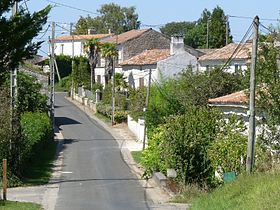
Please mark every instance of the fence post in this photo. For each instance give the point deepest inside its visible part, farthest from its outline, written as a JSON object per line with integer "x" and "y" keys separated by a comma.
{"x": 4, "y": 179}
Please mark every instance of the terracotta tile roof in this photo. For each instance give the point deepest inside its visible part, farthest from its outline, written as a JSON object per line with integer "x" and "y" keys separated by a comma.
{"x": 225, "y": 52}
{"x": 82, "y": 37}
{"x": 147, "y": 57}
{"x": 233, "y": 98}
{"x": 121, "y": 38}
{"x": 206, "y": 51}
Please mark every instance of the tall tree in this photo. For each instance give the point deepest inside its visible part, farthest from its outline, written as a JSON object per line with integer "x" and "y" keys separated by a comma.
{"x": 112, "y": 18}
{"x": 16, "y": 34}
{"x": 109, "y": 52}
{"x": 215, "y": 23}
{"x": 92, "y": 48}
{"x": 177, "y": 28}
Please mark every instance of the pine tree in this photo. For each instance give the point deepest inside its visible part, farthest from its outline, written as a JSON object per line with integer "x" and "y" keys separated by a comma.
{"x": 16, "y": 34}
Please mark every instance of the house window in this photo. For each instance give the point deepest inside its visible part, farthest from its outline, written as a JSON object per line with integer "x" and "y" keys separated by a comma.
{"x": 61, "y": 49}
{"x": 141, "y": 82}
{"x": 99, "y": 79}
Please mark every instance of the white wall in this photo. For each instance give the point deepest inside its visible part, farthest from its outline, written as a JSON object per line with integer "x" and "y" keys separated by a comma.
{"x": 137, "y": 128}
{"x": 242, "y": 64}
{"x": 67, "y": 48}
{"x": 134, "y": 73}
{"x": 173, "y": 65}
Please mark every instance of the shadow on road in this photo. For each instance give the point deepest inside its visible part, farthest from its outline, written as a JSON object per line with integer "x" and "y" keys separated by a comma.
{"x": 93, "y": 179}
{"x": 65, "y": 121}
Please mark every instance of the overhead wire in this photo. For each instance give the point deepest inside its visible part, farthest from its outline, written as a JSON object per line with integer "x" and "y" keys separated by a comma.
{"x": 72, "y": 7}
{"x": 238, "y": 48}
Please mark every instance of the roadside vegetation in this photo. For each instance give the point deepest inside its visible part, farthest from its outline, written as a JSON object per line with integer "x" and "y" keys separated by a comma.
{"x": 258, "y": 191}
{"x": 12, "y": 205}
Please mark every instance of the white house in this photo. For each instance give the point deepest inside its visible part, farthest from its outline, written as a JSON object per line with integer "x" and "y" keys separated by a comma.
{"x": 164, "y": 63}
{"x": 239, "y": 56}
{"x": 129, "y": 44}
{"x": 63, "y": 44}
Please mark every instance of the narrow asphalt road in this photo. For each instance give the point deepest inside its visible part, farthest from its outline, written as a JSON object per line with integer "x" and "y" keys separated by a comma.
{"x": 94, "y": 175}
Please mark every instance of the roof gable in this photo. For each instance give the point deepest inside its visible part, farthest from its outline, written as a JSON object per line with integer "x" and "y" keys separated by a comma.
{"x": 227, "y": 51}
{"x": 239, "y": 97}
{"x": 126, "y": 36}
{"x": 82, "y": 37}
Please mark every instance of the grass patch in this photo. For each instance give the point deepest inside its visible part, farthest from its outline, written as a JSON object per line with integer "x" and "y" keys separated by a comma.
{"x": 188, "y": 194}
{"x": 137, "y": 155}
{"x": 102, "y": 117}
{"x": 39, "y": 170}
{"x": 256, "y": 192}
{"x": 12, "y": 205}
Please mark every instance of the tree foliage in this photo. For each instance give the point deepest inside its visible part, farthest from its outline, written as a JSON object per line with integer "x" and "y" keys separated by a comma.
{"x": 112, "y": 17}
{"x": 197, "y": 37}
{"x": 177, "y": 28}
{"x": 16, "y": 34}
{"x": 92, "y": 48}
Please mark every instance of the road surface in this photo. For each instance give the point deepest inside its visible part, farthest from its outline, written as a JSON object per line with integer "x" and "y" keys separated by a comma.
{"x": 94, "y": 175}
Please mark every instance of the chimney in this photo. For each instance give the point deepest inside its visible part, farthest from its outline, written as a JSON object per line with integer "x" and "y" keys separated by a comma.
{"x": 177, "y": 45}
{"x": 91, "y": 31}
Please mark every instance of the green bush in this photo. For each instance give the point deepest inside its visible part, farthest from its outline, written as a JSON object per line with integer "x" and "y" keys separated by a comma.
{"x": 228, "y": 151}
{"x": 120, "y": 116}
{"x": 106, "y": 110}
{"x": 36, "y": 132}
{"x": 182, "y": 144}
{"x": 152, "y": 159}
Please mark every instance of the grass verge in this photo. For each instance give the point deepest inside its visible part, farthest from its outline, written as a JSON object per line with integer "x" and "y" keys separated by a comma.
{"x": 188, "y": 194}
{"x": 12, "y": 205}
{"x": 102, "y": 117}
{"x": 39, "y": 170}
{"x": 137, "y": 155}
{"x": 256, "y": 192}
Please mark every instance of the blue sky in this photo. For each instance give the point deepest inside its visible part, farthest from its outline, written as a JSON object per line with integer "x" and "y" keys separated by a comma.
{"x": 156, "y": 12}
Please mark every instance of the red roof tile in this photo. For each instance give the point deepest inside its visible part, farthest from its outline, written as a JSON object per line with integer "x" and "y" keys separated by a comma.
{"x": 82, "y": 37}
{"x": 226, "y": 52}
{"x": 121, "y": 38}
{"x": 148, "y": 57}
{"x": 233, "y": 98}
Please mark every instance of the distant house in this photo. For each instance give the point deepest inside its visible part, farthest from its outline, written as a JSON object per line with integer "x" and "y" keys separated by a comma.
{"x": 234, "y": 103}
{"x": 239, "y": 56}
{"x": 132, "y": 43}
{"x": 63, "y": 44}
{"x": 164, "y": 63}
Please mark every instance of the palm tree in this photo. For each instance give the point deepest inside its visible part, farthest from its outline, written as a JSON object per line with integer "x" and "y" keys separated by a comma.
{"x": 109, "y": 52}
{"x": 92, "y": 48}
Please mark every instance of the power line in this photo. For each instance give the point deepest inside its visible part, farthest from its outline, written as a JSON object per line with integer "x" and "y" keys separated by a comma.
{"x": 251, "y": 18}
{"x": 238, "y": 48}
{"x": 72, "y": 7}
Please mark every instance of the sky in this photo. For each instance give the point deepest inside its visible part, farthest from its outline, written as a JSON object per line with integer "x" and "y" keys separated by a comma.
{"x": 158, "y": 13}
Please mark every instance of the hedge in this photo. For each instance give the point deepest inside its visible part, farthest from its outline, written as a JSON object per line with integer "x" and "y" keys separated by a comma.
{"x": 37, "y": 131}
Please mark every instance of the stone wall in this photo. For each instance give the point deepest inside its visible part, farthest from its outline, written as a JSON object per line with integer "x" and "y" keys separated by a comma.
{"x": 149, "y": 40}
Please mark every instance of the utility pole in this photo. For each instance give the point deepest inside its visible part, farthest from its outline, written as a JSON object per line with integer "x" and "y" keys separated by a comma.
{"x": 252, "y": 119}
{"x": 13, "y": 74}
{"x": 72, "y": 64}
{"x": 113, "y": 91}
{"x": 227, "y": 27}
{"x": 147, "y": 105}
{"x": 52, "y": 73}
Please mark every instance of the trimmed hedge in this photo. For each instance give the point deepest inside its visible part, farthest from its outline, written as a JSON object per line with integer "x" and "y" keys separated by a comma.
{"x": 37, "y": 131}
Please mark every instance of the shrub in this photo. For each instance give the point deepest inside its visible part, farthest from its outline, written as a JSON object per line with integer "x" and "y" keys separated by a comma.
{"x": 120, "y": 116}
{"x": 228, "y": 151}
{"x": 106, "y": 110}
{"x": 152, "y": 158}
{"x": 182, "y": 144}
{"x": 36, "y": 132}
